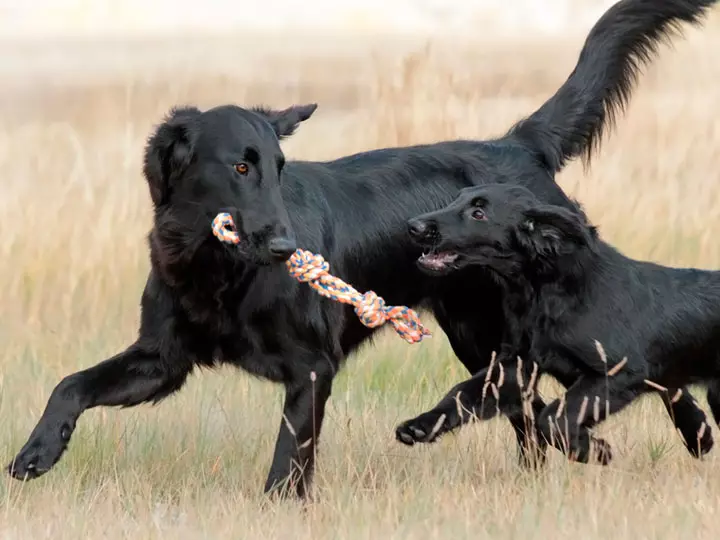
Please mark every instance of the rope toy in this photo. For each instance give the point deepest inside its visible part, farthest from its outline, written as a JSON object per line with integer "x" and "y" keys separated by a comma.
{"x": 312, "y": 269}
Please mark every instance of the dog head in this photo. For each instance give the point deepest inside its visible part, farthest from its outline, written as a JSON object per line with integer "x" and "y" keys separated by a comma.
{"x": 501, "y": 227}
{"x": 226, "y": 159}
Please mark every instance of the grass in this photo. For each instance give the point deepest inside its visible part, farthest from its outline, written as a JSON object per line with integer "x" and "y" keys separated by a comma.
{"x": 74, "y": 212}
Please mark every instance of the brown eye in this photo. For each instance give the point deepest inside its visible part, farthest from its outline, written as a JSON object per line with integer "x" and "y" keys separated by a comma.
{"x": 478, "y": 215}
{"x": 242, "y": 168}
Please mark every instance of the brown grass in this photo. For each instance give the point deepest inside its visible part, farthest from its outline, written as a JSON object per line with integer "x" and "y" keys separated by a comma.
{"x": 73, "y": 217}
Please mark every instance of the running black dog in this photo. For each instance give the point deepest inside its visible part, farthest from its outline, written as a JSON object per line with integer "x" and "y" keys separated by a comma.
{"x": 566, "y": 291}
{"x": 206, "y": 303}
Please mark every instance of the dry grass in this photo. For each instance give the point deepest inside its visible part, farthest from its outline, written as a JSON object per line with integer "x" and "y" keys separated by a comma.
{"x": 73, "y": 215}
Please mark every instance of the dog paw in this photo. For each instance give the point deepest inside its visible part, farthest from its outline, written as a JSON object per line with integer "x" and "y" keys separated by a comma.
{"x": 425, "y": 428}
{"x": 588, "y": 449}
{"x": 602, "y": 451}
{"x": 40, "y": 453}
{"x": 699, "y": 443}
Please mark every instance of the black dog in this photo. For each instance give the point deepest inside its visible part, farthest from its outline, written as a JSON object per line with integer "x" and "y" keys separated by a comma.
{"x": 206, "y": 303}
{"x": 566, "y": 291}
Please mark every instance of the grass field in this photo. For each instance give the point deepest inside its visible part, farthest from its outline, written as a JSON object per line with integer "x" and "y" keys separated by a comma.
{"x": 74, "y": 212}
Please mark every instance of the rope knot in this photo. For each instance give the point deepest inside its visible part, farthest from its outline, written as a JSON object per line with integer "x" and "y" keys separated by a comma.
{"x": 371, "y": 310}
{"x": 306, "y": 267}
{"x": 407, "y": 324}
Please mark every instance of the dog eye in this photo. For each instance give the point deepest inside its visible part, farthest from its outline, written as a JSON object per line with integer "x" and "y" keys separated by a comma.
{"x": 478, "y": 215}
{"x": 242, "y": 168}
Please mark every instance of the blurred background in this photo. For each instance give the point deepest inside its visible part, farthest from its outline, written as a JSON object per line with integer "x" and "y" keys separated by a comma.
{"x": 82, "y": 83}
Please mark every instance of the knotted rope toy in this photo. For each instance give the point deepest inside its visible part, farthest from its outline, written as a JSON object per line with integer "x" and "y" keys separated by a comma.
{"x": 312, "y": 269}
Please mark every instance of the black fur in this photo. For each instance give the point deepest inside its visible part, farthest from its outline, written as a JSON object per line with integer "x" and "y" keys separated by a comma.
{"x": 566, "y": 291}
{"x": 206, "y": 303}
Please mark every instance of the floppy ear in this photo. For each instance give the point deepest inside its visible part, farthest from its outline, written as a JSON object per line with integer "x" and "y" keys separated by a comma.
{"x": 169, "y": 151}
{"x": 553, "y": 230}
{"x": 285, "y": 122}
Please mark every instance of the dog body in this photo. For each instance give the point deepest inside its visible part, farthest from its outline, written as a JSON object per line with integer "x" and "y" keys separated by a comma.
{"x": 207, "y": 303}
{"x": 577, "y": 308}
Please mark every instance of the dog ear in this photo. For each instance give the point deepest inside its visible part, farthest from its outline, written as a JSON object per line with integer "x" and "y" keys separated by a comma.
{"x": 553, "y": 230}
{"x": 169, "y": 151}
{"x": 285, "y": 122}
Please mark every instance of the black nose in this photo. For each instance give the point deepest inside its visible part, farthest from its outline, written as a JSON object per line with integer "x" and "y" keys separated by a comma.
{"x": 420, "y": 229}
{"x": 282, "y": 248}
{"x": 416, "y": 227}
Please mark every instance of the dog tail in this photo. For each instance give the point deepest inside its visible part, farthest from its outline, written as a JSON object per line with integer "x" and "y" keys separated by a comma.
{"x": 571, "y": 123}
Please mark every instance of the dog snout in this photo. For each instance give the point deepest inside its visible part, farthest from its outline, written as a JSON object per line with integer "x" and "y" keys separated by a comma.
{"x": 421, "y": 229}
{"x": 282, "y": 247}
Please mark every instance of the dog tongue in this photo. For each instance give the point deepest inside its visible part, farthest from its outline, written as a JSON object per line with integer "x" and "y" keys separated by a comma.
{"x": 438, "y": 260}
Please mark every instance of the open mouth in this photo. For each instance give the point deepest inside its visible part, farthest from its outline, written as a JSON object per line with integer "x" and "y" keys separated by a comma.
{"x": 438, "y": 261}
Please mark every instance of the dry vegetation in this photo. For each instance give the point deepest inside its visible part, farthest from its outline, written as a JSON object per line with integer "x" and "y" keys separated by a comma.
{"x": 73, "y": 217}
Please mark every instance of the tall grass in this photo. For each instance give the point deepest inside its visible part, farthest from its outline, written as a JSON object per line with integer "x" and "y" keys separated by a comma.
{"x": 74, "y": 212}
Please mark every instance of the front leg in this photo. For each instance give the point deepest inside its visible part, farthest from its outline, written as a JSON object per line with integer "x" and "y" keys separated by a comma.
{"x": 566, "y": 423}
{"x": 132, "y": 377}
{"x": 501, "y": 388}
{"x": 689, "y": 419}
{"x": 294, "y": 459}
{"x": 473, "y": 337}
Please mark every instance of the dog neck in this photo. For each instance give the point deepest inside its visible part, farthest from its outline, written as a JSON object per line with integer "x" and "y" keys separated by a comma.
{"x": 565, "y": 275}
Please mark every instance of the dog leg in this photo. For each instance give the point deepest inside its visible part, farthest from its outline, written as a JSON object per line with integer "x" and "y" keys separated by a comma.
{"x": 473, "y": 337}
{"x": 689, "y": 419}
{"x": 566, "y": 422}
{"x": 533, "y": 449}
{"x": 129, "y": 378}
{"x": 294, "y": 459}
{"x": 489, "y": 392}
{"x": 713, "y": 399}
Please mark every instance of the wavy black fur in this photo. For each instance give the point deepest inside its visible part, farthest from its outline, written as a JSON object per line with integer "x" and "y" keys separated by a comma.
{"x": 578, "y": 309}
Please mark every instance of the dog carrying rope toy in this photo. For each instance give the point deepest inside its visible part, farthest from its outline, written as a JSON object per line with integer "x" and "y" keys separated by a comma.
{"x": 314, "y": 270}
